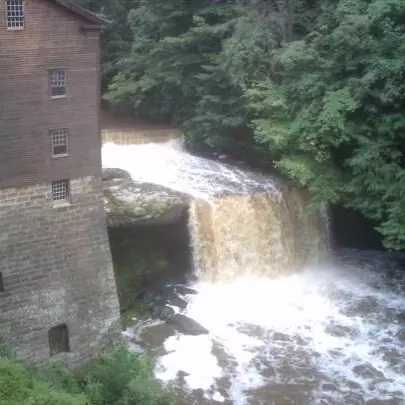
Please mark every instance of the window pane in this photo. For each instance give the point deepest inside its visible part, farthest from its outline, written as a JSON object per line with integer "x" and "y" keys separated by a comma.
{"x": 58, "y": 82}
{"x": 60, "y": 190}
{"x": 15, "y": 14}
{"x": 60, "y": 150}
{"x": 59, "y": 139}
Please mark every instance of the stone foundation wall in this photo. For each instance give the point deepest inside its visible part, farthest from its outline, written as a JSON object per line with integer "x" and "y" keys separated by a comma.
{"x": 56, "y": 269}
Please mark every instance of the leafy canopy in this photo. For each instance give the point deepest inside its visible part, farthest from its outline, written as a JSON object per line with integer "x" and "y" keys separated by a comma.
{"x": 317, "y": 87}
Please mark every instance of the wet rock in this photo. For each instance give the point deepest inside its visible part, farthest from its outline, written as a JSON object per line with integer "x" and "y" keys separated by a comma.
{"x": 281, "y": 394}
{"x": 155, "y": 335}
{"x": 401, "y": 335}
{"x": 391, "y": 401}
{"x": 367, "y": 371}
{"x": 329, "y": 387}
{"x": 340, "y": 330}
{"x": 378, "y": 383}
{"x": 128, "y": 202}
{"x": 353, "y": 398}
{"x": 186, "y": 325}
{"x": 178, "y": 302}
{"x": 158, "y": 299}
{"x": 353, "y": 385}
{"x": 335, "y": 353}
{"x": 265, "y": 369}
{"x": 400, "y": 317}
{"x": 184, "y": 290}
{"x": 155, "y": 304}
{"x": 392, "y": 356}
{"x": 166, "y": 313}
{"x": 250, "y": 330}
{"x": 281, "y": 336}
{"x": 225, "y": 360}
{"x": 155, "y": 311}
{"x": 366, "y": 306}
{"x": 148, "y": 298}
{"x": 115, "y": 173}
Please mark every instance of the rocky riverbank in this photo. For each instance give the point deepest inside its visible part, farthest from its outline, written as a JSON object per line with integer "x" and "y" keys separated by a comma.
{"x": 129, "y": 202}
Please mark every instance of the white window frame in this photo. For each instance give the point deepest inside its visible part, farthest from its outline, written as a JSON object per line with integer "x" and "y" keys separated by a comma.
{"x": 57, "y": 135}
{"x": 51, "y": 72}
{"x": 61, "y": 190}
{"x": 19, "y": 28}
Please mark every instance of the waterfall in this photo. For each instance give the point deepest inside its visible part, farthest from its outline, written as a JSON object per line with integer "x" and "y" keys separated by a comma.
{"x": 254, "y": 235}
{"x": 328, "y": 334}
{"x": 242, "y": 223}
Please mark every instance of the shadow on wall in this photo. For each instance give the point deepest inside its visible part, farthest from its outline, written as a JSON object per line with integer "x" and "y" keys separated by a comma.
{"x": 148, "y": 255}
{"x": 350, "y": 229}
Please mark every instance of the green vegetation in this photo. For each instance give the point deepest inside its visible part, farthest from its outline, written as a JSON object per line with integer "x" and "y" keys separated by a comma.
{"x": 316, "y": 88}
{"x": 117, "y": 378}
{"x": 157, "y": 207}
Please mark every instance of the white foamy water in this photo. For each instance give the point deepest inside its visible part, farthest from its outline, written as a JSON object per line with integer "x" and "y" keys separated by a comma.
{"x": 335, "y": 334}
{"x": 167, "y": 164}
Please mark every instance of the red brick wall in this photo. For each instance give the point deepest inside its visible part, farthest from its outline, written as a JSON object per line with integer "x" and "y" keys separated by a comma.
{"x": 52, "y": 38}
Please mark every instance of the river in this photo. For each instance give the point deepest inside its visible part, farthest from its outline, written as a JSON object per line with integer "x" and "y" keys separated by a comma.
{"x": 289, "y": 322}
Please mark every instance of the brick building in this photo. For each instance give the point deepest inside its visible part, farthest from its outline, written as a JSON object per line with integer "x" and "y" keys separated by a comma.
{"x": 57, "y": 289}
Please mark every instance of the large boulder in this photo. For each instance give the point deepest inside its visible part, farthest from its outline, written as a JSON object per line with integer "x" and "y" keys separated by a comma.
{"x": 186, "y": 325}
{"x": 128, "y": 202}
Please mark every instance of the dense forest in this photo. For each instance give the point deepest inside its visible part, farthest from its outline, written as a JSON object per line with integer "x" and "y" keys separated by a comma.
{"x": 314, "y": 87}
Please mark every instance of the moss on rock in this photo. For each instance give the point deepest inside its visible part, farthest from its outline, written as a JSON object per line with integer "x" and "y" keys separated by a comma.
{"x": 128, "y": 202}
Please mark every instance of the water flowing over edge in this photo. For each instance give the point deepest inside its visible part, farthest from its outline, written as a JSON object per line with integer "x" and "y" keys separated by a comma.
{"x": 336, "y": 331}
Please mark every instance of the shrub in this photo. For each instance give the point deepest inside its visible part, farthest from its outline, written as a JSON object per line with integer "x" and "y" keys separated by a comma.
{"x": 116, "y": 378}
{"x": 21, "y": 387}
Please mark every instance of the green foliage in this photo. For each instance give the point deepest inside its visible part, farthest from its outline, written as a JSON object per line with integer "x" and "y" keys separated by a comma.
{"x": 332, "y": 110}
{"x": 120, "y": 377}
{"x": 117, "y": 378}
{"x": 318, "y": 85}
{"x": 18, "y": 386}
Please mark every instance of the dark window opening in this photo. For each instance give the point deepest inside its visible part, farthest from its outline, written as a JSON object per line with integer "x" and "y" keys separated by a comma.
{"x": 59, "y": 339}
{"x": 1, "y": 283}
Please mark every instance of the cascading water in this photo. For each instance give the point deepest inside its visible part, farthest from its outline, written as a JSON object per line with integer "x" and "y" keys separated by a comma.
{"x": 253, "y": 235}
{"x": 284, "y": 327}
{"x": 241, "y": 223}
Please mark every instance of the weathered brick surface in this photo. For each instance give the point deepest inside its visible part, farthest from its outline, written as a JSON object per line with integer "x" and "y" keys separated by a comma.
{"x": 53, "y": 38}
{"x": 56, "y": 267}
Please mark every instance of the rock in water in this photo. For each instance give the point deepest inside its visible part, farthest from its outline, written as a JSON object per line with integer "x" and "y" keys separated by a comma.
{"x": 186, "y": 325}
{"x": 367, "y": 371}
{"x": 129, "y": 202}
{"x": 184, "y": 290}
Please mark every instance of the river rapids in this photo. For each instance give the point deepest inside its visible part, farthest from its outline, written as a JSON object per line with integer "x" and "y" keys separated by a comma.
{"x": 287, "y": 325}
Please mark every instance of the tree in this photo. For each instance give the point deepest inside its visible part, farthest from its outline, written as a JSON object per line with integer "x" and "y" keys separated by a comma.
{"x": 335, "y": 116}
{"x": 318, "y": 86}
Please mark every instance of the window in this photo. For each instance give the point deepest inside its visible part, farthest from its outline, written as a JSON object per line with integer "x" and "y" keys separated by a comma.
{"x": 1, "y": 283}
{"x": 58, "y": 338}
{"x": 15, "y": 14}
{"x": 60, "y": 190}
{"x": 58, "y": 83}
{"x": 59, "y": 139}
